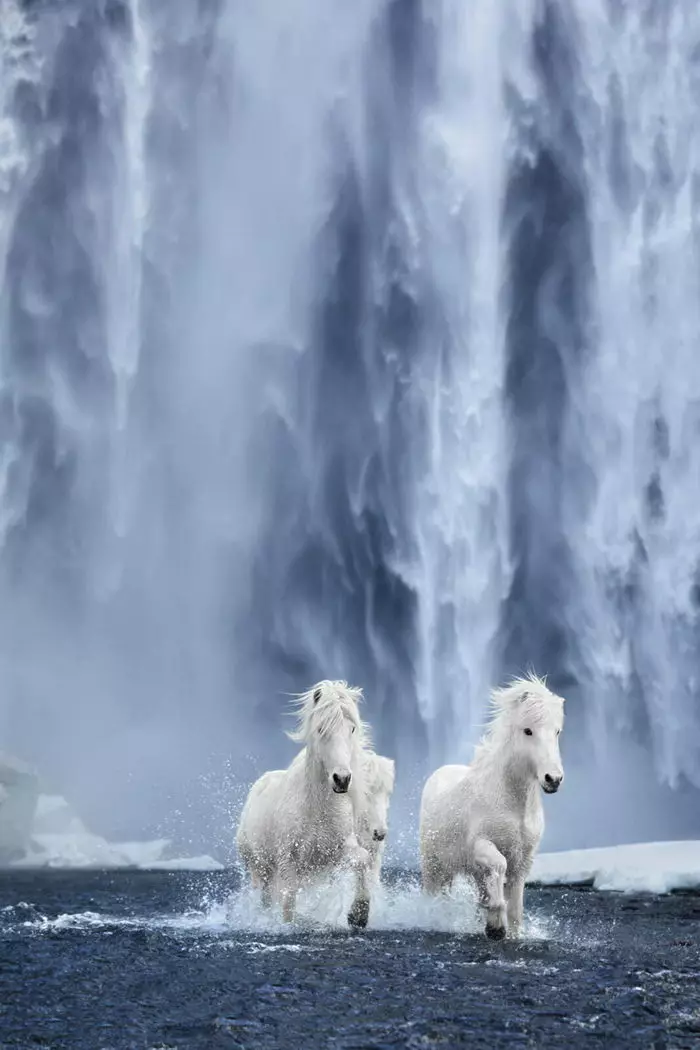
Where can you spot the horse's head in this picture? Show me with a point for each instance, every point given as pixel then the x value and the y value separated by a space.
pixel 534 719
pixel 379 785
pixel 332 730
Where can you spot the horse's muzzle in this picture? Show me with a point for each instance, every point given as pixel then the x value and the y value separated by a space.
pixel 551 784
pixel 379 836
pixel 341 782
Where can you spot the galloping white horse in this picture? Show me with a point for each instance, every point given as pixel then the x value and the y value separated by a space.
pixel 300 822
pixel 486 820
pixel 372 825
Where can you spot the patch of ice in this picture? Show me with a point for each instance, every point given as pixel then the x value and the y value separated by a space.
pixel 79 848
pixel 203 863
pixel 644 867
pixel 60 839
pixel 143 854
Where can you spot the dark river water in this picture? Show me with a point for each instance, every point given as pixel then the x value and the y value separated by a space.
pixel 100 961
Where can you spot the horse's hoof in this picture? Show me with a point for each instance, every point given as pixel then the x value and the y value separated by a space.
pixel 496 933
pixel 358 916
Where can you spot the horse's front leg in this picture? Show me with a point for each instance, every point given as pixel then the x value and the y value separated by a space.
pixel 365 877
pixel 266 893
pixel 355 854
pixel 434 879
pixel 289 887
pixel 490 875
pixel 515 889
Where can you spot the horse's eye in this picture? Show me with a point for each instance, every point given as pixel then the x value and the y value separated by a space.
pixel 353 729
pixel 527 732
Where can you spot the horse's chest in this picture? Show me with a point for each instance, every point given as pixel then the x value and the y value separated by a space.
pixel 515 839
pixel 320 844
pixel 319 854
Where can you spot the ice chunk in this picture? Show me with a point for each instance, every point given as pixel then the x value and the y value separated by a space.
pixel 644 867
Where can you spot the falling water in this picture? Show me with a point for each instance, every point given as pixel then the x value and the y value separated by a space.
pixel 636 531
pixel 458 502
pixel 346 340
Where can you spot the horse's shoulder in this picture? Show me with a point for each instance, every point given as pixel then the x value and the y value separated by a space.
pixel 445 776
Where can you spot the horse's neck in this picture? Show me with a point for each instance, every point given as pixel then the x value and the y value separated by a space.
pixel 522 790
pixel 318 795
pixel 315 786
pixel 516 785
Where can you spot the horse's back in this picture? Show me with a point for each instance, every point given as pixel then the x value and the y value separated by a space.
pixel 267 780
pixel 442 780
pixel 249 824
pixel 436 832
pixel 261 785
pixel 435 808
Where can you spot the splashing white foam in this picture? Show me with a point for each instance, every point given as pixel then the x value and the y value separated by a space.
pixel 400 907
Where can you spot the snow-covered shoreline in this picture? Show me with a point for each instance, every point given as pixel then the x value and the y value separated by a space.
pixel 648 867
pixel 58 838
pixel 644 867
pixel 40 831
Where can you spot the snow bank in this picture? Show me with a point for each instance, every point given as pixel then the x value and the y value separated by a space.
pixel 58 838
pixel 645 867
pixel 203 863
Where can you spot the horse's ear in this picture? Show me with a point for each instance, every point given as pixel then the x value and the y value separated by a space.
pixel 317 695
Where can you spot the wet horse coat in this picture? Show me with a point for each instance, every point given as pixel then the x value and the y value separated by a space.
pixel 300 823
pixel 486 820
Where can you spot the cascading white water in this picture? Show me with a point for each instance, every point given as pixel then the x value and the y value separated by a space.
pixel 635 522
pixel 281 304
pixel 459 508
pixel 124 244
pixel 18 64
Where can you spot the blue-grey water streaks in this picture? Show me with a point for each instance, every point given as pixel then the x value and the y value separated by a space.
pixel 355 342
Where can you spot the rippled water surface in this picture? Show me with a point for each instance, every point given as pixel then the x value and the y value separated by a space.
pixel 172 960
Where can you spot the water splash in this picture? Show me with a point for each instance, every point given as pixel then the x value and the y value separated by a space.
pixel 322 911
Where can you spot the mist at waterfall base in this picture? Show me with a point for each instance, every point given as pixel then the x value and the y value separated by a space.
pixel 359 341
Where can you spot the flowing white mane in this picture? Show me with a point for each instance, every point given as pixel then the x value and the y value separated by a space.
pixel 322 709
pixel 379 773
pixel 523 700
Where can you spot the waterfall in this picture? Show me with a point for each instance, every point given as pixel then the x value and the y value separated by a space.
pixel 347 340
pixel 635 527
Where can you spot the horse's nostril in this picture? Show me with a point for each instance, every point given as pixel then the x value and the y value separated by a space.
pixel 341 781
pixel 379 836
pixel 548 779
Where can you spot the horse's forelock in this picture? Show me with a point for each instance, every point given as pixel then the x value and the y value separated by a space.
pixel 541 710
pixel 324 706
pixel 528 694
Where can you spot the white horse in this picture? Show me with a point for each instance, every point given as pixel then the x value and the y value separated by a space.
pixel 372 826
pixel 486 820
pixel 300 823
